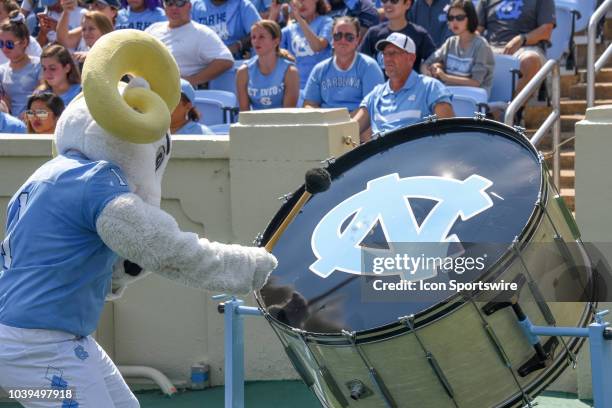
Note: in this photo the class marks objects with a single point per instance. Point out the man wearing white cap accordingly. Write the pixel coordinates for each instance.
(407, 97)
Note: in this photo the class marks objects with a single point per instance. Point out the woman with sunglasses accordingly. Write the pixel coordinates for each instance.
(308, 38)
(346, 78)
(21, 75)
(465, 59)
(269, 79)
(139, 14)
(60, 74)
(44, 109)
(6, 7)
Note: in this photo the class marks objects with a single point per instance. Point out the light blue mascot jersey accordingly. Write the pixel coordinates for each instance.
(56, 269)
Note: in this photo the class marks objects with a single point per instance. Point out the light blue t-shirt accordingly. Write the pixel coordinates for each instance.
(56, 270)
(231, 20)
(194, 128)
(296, 43)
(70, 94)
(10, 124)
(126, 18)
(267, 91)
(331, 87)
(20, 84)
(411, 104)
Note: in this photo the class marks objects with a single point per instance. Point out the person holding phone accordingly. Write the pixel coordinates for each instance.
(48, 20)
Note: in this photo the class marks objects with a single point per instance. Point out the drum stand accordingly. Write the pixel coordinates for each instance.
(234, 311)
(599, 334)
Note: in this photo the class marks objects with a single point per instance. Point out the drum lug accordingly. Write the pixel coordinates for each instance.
(328, 161)
(431, 118)
(285, 197)
(540, 158)
(258, 239)
(519, 129)
(480, 116)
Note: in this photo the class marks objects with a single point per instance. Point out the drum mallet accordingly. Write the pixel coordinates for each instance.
(317, 181)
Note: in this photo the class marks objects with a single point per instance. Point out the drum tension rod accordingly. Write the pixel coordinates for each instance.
(408, 321)
(543, 353)
(500, 350)
(535, 291)
(323, 370)
(374, 376)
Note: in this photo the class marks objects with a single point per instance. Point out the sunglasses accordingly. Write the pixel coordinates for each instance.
(350, 37)
(176, 3)
(40, 113)
(459, 17)
(9, 44)
(387, 1)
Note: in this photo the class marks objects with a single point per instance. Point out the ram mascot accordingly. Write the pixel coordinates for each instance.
(93, 212)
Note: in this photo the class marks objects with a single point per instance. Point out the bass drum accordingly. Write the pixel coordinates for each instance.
(367, 316)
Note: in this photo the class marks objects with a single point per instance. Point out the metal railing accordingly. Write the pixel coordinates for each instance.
(593, 67)
(554, 118)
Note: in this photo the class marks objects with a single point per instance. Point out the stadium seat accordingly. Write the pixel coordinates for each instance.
(561, 35)
(227, 80)
(216, 106)
(222, 129)
(584, 7)
(467, 100)
(505, 78)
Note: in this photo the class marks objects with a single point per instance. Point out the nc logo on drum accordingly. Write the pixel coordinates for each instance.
(336, 240)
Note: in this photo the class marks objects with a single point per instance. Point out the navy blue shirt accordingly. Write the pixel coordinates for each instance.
(432, 18)
(363, 10)
(422, 40)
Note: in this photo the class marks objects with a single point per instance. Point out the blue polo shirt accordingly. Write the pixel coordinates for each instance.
(411, 104)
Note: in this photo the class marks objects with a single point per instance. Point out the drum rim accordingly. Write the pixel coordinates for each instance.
(338, 166)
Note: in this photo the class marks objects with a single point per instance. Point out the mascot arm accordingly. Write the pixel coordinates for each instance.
(151, 238)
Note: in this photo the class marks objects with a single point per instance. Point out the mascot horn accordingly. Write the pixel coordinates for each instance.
(93, 212)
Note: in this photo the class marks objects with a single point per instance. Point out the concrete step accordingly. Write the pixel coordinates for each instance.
(568, 122)
(602, 91)
(581, 54)
(605, 75)
(567, 159)
(567, 81)
(570, 107)
(534, 116)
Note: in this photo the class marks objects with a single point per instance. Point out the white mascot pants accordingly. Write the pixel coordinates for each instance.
(47, 360)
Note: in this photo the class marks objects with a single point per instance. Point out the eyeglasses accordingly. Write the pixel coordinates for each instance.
(392, 1)
(350, 37)
(458, 17)
(9, 44)
(40, 113)
(176, 3)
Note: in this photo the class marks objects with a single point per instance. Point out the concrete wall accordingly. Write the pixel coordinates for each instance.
(225, 190)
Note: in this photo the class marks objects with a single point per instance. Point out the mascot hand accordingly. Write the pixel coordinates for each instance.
(265, 264)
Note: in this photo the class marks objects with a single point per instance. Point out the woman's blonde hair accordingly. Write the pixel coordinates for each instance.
(100, 20)
(274, 29)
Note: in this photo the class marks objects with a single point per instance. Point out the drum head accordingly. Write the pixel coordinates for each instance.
(444, 188)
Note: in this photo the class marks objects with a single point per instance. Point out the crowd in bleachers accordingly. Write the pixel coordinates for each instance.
(390, 62)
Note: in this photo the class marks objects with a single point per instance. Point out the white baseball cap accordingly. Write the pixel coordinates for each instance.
(399, 40)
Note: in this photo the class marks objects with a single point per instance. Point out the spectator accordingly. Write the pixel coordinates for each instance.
(21, 74)
(197, 49)
(346, 78)
(407, 97)
(93, 21)
(49, 19)
(139, 14)
(185, 117)
(44, 109)
(60, 74)
(110, 8)
(363, 10)
(230, 19)
(6, 7)
(521, 28)
(270, 79)
(395, 11)
(10, 124)
(309, 37)
(431, 15)
(465, 58)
